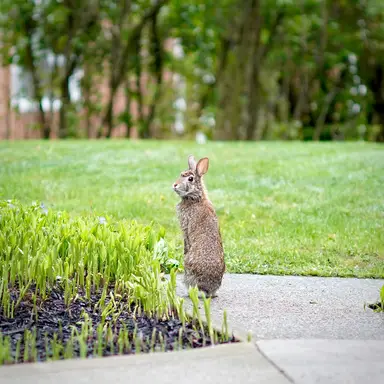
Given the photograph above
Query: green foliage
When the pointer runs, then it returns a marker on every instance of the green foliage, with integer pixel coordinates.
(42, 246)
(378, 306)
(382, 298)
(45, 249)
(322, 60)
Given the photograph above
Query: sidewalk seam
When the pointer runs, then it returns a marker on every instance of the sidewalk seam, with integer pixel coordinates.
(281, 370)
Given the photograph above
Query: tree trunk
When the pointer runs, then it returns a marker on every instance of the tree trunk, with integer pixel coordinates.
(51, 115)
(378, 104)
(87, 89)
(259, 52)
(128, 119)
(139, 93)
(253, 74)
(158, 65)
(108, 119)
(254, 105)
(297, 114)
(65, 102)
(249, 34)
(222, 62)
(323, 40)
(65, 95)
(45, 128)
(321, 75)
(232, 85)
(223, 129)
(323, 114)
(120, 56)
(88, 123)
(380, 135)
(122, 62)
(108, 116)
(284, 96)
(7, 113)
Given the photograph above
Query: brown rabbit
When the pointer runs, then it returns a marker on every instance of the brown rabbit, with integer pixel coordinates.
(203, 249)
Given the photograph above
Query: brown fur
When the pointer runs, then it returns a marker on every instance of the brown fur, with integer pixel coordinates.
(203, 250)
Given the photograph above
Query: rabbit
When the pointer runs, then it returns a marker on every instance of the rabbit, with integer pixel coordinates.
(204, 263)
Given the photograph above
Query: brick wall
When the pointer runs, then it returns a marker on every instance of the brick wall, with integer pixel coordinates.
(15, 125)
(4, 103)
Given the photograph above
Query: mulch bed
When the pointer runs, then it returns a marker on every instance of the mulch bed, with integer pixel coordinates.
(54, 317)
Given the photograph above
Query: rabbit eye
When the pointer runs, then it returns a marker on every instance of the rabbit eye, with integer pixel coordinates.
(190, 178)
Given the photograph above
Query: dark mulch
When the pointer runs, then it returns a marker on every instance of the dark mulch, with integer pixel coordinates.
(54, 317)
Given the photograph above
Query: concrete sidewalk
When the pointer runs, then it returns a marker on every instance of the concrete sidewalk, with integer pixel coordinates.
(267, 361)
(236, 363)
(306, 330)
(296, 307)
(327, 361)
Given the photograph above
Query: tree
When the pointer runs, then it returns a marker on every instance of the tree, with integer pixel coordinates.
(249, 69)
(123, 27)
(21, 45)
(254, 34)
(69, 28)
(48, 30)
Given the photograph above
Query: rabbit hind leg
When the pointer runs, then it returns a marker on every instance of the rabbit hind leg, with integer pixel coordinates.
(209, 288)
(190, 280)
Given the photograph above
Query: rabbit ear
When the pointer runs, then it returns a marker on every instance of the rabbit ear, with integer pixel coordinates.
(191, 162)
(202, 166)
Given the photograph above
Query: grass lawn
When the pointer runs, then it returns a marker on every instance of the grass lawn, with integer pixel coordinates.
(284, 208)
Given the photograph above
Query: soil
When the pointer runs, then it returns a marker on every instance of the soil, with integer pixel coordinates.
(52, 318)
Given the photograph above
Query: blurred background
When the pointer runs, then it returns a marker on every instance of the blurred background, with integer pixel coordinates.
(228, 70)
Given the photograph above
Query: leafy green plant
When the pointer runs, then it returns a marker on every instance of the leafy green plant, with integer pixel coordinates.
(379, 306)
(121, 264)
(382, 297)
(46, 247)
(161, 253)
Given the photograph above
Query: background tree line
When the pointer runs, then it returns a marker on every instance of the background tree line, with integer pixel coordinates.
(245, 69)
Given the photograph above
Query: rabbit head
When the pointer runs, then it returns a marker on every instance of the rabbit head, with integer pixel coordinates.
(190, 185)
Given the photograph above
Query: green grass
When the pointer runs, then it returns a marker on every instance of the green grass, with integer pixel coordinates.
(284, 208)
